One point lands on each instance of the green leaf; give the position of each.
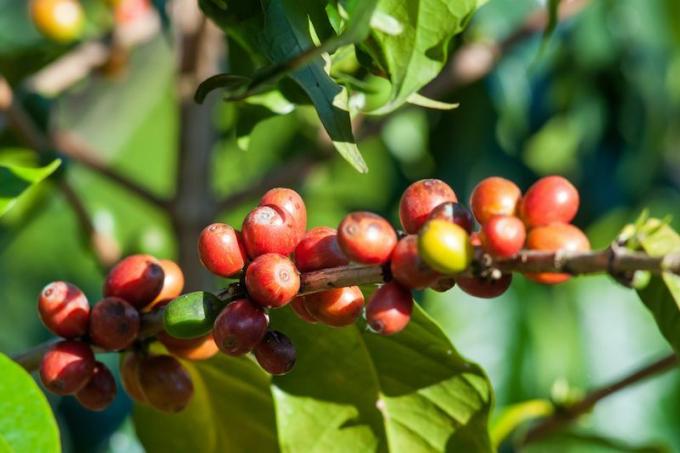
(510, 418)
(16, 179)
(422, 101)
(26, 420)
(192, 315)
(353, 390)
(553, 17)
(231, 411)
(576, 442)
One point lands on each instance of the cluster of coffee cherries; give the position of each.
(135, 285)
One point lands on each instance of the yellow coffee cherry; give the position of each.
(58, 20)
(445, 247)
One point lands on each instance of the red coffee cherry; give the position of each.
(300, 309)
(443, 284)
(276, 353)
(485, 288)
(165, 383)
(407, 266)
(114, 324)
(269, 229)
(221, 250)
(201, 348)
(494, 196)
(67, 367)
(138, 279)
(64, 309)
(503, 236)
(240, 327)
(272, 280)
(336, 307)
(454, 213)
(100, 391)
(389, 310)
(418, 201)
(550, 200)
(554, 237)
(291, 202)
(366, 238)
(319, 249)
(129, 376)
(173, 284)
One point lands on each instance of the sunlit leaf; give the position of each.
(16, 179)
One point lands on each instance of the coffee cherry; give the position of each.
(272, 280)
(64, 309)
(269, 229)
(445, 247)
(366, 238)
(240, 327)
(166, 384)
(173, 284)
(550, 200)
(485, 288)
(443, 284)
(408, 268)
(554, 237)
(60, 20)
(221, 250)
(201, 348)
(114, 324)
(100, 391)
(503, 236)
(67, 367)
(336, 307)
(418, 201)
(138, 279)
(455, 213)
(319, 249)
(389, 310)
(291, 202)
(275, 353)
(494, 196)
(300, 309)
(129, 376)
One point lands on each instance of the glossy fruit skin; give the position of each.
(59, 20)
(418, 201)
(173, 284)
(167, 386)
(114, 324)
(389, 310)
(67, 367)
(129, 376)
(445, 247)
(494, 196)
(221, 250)
(64, 309)
(484, 288)
(240, 327)
(503, 236)
(455, 213)
(550, 238)
(100, 391)
(408, 268)
(291, 202)
(336, 307)
(319, 249)
(276, 353)
(201, 348)
(269, 229)
(300, 309)
(138, 279)
(552, 199)
(366, 238)
(272, 280)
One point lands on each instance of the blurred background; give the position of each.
(598, 102)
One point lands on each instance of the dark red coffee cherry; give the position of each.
(167, 386)
(503, 236)
(240, 327)
(67, 367)
(276, 353)
(300, 309)
(486, 288)
(272, 280)
(114, 324)
(454, 213)
(389, 310)
(552, 199)
(407, 266)
(336, 307)
(443, 284)
(138, 279)
(418, 201)
(291, 202)
(494, 196)
(64, 309)
(100, 391)
(129, 375)
(554, 237)
(366, 238)
(221, 250)
(319, 249)
(269, 229)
